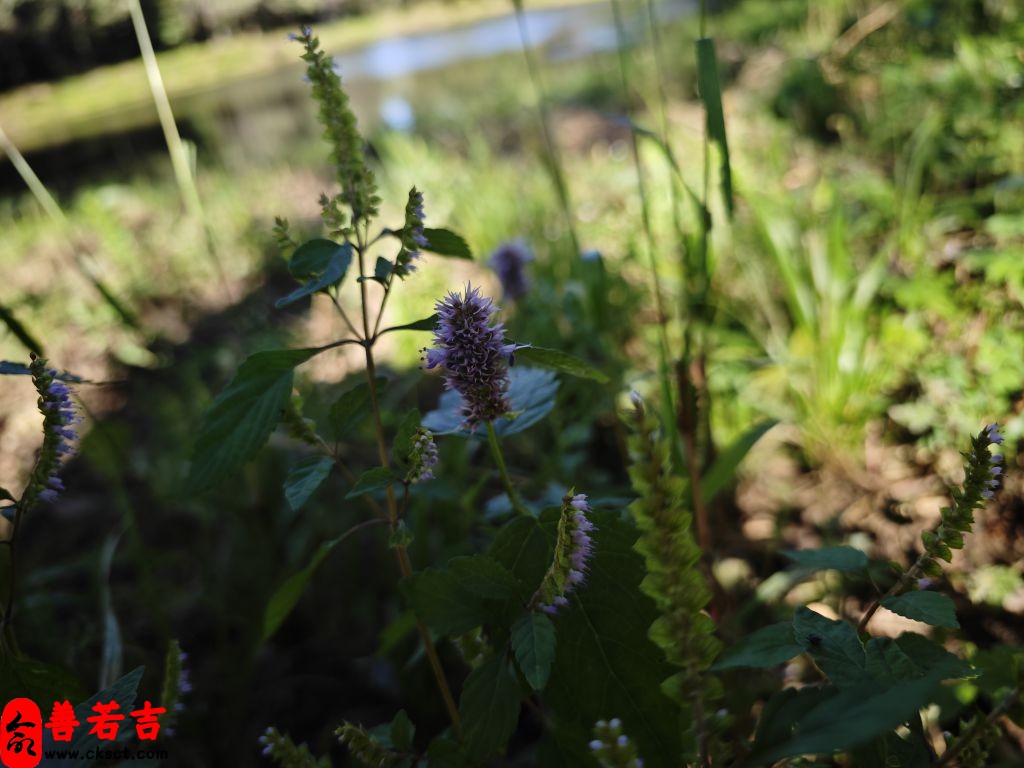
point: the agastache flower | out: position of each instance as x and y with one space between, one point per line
509 262
59 418
474 355
423 457
573 549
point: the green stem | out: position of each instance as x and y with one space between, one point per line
506 481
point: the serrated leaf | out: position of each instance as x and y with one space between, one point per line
930 607
531 393
124 692
376 479
783 711
305 478
911 657
843 558
332 274
312 258
833 645
533 642
426 324
242 417
23 677
489 707
561 362
465 594
711 94
720 474
767 647
444 242
850 718
349 410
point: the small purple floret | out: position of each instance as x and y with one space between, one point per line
509 262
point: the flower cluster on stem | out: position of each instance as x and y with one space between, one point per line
509 262
423 457
413 237
612 747
573 549
474 354
59 419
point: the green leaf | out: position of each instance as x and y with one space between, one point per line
286 597
531 393
312 258
911 657
523 548
711 95
833 645
382 269
332 274
843 558
376 479
605 663
242 416
22 677
444 242
561 362
720 474
783 711
349 410
533 642
930 607
426 324
124 692
489 707
465 594
402 732
850 718
767 647
305 478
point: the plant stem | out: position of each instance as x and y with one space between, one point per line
506 481
401 554
901 584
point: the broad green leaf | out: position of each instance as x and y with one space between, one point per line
382 269
930 607
242 416
287 595
767 647
402 732
467 593
533 642
305 478
711 95
31 679
426 324
489 707
850 718
891 750
332 274
444 242
723 471
911 657
531 393
605 663
842 558
833 645
561 362
124 692
445 752
313 257
376 479
349 410
524 549
783 711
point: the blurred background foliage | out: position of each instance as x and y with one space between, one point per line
868 295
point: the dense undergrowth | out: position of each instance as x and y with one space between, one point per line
853 307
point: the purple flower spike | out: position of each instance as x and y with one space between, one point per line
474 354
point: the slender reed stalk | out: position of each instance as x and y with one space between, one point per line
506 481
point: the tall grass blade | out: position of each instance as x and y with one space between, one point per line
711 95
